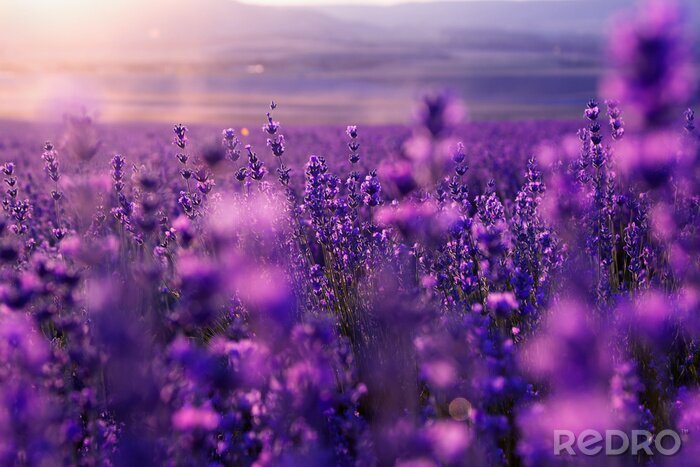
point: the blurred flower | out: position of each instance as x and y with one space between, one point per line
81 140
653 74
438 113
193 418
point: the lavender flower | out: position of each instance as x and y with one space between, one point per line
230 142
372 190
256 168
617 125
592 111
276 145
653 74
689 120
180 136
50 157
354 146
271 126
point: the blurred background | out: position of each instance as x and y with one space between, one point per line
222 61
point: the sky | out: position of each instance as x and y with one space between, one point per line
338 2
214 61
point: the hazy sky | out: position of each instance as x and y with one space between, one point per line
316 2
339 2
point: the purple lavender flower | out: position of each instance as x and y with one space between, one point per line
81 139
256 168
592 111
283 174
502 304
689 120
213 155
617 125
180 136
372 190
230 143
438 113
50 157
354 146
271 126
458 154
653 69
276 145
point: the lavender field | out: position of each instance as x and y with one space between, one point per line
440 293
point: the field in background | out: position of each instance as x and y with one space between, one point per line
221 61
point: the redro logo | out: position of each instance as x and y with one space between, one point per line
616 442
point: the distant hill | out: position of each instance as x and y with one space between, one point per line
543 17
196 30
164 29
